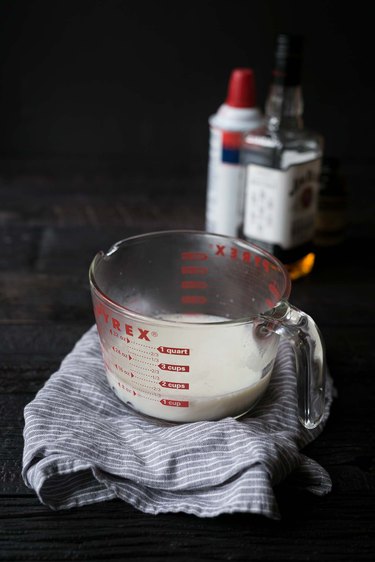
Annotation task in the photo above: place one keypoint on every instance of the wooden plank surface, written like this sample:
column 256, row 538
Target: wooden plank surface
column 50, row 230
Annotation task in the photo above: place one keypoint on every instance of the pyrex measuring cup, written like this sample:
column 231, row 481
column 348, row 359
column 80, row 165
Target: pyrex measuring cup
column 189, row 324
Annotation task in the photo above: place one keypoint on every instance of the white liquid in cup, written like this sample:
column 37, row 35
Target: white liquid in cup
column 201, row 372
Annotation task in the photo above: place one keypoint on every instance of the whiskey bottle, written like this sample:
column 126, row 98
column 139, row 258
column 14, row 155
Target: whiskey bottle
column 282, row 166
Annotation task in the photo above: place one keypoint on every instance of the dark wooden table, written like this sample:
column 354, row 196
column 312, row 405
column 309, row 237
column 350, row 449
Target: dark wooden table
column 50, row 230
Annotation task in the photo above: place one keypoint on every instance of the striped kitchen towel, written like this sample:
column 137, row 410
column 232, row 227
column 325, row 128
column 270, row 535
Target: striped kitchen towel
column 83, row 445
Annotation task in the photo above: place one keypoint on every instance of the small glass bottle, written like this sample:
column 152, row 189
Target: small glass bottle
column 282, row 164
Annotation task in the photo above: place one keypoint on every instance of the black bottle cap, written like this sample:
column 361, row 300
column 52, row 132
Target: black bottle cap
column 288, row 59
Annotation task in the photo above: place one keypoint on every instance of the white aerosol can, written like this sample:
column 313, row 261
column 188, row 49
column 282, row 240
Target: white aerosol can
column 226, row 175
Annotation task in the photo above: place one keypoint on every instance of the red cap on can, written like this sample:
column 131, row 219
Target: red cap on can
column 241, row 88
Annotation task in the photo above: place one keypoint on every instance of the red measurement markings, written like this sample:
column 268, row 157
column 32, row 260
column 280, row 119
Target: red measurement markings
column 122, row 370
column 124, row 387
column 138, row 357
column 175, row 403
column 175, row 385
column 194, row 270
column 137, row 343
column 150, row 356
column 117, row 335
column 194, row 284
column 274, row 289
column 193, row 256
column 145, row 365
column 175, row 368
column 174, row 350
column 245, row 256
column 191, row 284
column 193, row 299
column 148, row 378
column 119, row 352
column 148, row 396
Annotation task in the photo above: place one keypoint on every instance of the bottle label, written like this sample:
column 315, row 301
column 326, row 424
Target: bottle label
column 226, row 179
column 281, row 205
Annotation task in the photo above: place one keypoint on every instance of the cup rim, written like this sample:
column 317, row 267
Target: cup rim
column 250, row 246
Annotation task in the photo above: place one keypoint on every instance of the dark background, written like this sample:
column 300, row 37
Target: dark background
column 104, row 109
column 126, row 88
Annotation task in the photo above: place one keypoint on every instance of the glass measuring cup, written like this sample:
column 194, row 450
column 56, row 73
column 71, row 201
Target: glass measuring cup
column 189, row 324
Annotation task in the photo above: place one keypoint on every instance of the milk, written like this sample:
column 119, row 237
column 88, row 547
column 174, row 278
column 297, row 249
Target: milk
column 188, row 371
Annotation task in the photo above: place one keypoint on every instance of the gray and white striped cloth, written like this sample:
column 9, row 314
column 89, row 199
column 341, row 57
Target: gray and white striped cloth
column 83, row 445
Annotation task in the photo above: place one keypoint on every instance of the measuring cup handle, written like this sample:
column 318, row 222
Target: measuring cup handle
column 308, row 345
